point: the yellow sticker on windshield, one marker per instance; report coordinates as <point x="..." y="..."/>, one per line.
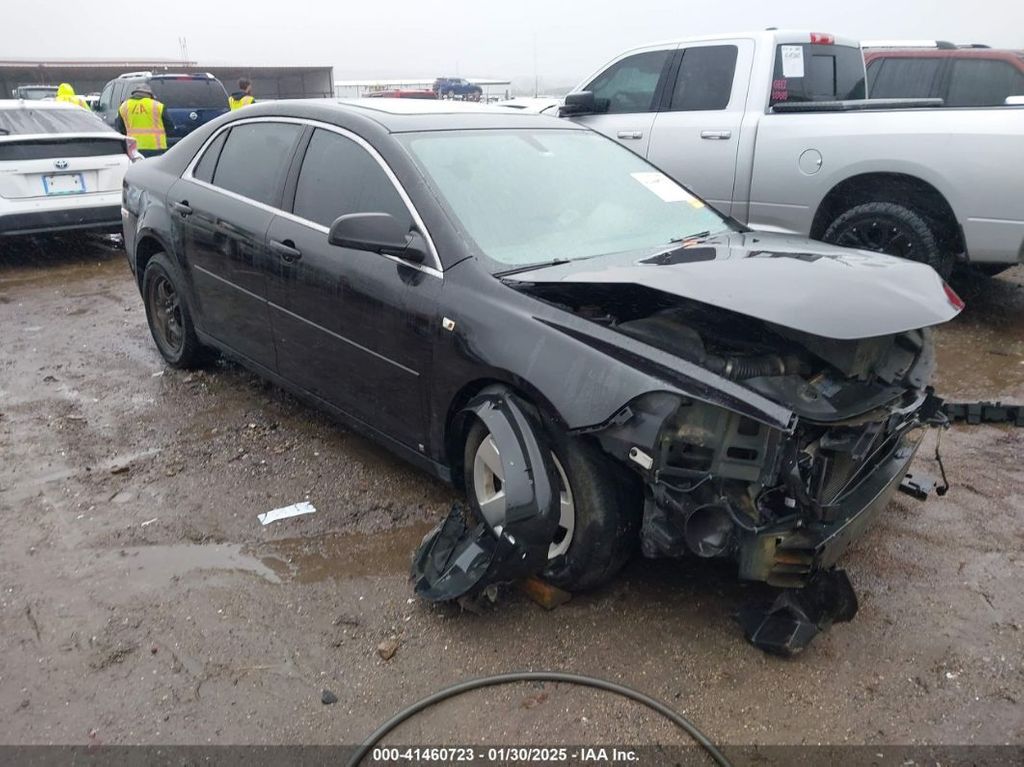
<point x="667" y="189"/>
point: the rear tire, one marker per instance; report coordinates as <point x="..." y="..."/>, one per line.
<point x="607" y="506"/>
<point x="886" y="227"/>
<point x="169" y="315"/>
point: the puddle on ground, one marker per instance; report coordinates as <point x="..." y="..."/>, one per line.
<point x="349" y="555"/>
<point x="981" y="352"/>
<point x="156" y="565"/>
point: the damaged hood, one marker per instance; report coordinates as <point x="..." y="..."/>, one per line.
<point x="785" y="280"/>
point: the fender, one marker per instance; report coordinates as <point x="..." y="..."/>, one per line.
<point x="455" y="559"/>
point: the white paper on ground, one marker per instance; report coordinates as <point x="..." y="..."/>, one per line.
<point x="792" y="60"/>
<point x="295" y="510"/>
<point x="667" y="189"/>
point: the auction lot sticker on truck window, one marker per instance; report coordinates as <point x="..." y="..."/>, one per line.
<point x="667" y="189"/>
<point x="792" y="61"/>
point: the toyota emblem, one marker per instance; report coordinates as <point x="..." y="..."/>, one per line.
<point x="60" y="164"/>
<point x="193" y="116"/>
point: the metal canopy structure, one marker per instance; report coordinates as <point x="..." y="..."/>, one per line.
<point x="90" y="75"/>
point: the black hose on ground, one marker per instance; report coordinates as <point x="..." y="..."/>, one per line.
<point x="539" y="676"/>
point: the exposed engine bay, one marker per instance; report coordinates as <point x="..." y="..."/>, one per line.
<point x="783" y="504"/>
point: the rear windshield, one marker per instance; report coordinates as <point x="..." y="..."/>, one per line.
<point x="817" y="73"/>
<point x="31" y="120"/>
<point x="190" y="94"/>
<point x="35" y="93"/>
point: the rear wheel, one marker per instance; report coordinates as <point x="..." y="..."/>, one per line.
<point x="168" y="314"/>
<point x="889" y="228"/>
<point x="599" y="516"/>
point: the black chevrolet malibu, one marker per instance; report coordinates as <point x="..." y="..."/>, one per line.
<point x="536" y="314"/>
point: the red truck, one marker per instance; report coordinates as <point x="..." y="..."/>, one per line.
<point x="962" y="76"/>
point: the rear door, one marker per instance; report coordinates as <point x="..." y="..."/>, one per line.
<point x="628" y="91"/>
<point x="696" y="137"/>
<point x="222" y="210"/>
<point x="353" y="328"/>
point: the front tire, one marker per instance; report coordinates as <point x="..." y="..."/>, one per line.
<point x="169" y="316"/>
<point x="603" y="501"/>
<point x="886" y="227"/>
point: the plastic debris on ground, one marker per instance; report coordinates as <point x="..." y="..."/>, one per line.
<point x="295" y="510"/>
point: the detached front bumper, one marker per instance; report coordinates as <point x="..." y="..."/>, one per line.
<point x="788" y="553"/>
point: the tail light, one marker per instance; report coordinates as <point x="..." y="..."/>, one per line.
<point x="131" y="148"/>
<point x="954" y="300"/>
<point x="822" y="38"/>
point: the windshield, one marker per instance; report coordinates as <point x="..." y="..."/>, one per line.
<point x="532" y="196"/>
<point x="34" y="120"/>
<point x="187" y="93"/>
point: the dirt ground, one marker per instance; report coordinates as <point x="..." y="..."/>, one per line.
<point x="141" y="601"/>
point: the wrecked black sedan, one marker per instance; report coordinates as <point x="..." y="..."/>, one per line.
<point x="536" y="314"/>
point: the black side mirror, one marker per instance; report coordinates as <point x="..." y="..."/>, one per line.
<point x="582" y="103"/>
<point x="378" y="233"/>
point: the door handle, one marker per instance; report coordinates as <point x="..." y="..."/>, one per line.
<point x="182" y="207"/>
<point x="630" y="134"/>
<point x="286" y="250"/>
<point x="716" y="135"/>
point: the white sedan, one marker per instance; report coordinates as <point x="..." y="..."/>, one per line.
<point x="61" y="168"/>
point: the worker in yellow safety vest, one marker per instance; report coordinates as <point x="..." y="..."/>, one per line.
<point x="242" y="97"/>
<point x="144" y="119"/>
<point x="67" y="94"/>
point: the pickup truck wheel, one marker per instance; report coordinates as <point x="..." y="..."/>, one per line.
<point x="168" y="314"/>
<point x="598" y="520"/>
<point x="886" y="227"/>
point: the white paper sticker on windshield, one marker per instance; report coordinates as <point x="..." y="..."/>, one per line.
<point x="667" y="189"/>
<point x="792" y="61"/>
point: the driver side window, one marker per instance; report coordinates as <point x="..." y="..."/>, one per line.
<point x="630" y="85"/>
<point x="104" y="102"/>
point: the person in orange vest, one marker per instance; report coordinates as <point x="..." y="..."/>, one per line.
<point x="66" y="94"/>
<point x="242" y="97"/>
<point x="144" y="119"/>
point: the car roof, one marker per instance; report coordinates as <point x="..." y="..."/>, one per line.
<point x="998" y="54"/>
<point x="33" y="104"/>
<point x="408" y="115"/>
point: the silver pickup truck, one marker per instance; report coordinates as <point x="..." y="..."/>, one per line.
<point x="774" y="128"/>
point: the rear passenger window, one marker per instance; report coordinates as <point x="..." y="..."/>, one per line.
<point x="254" y="160"/>
<point x="339" y="177"/>
<point x="894" y="78"/>
<point x="705" y="78"/>
<point x="204" y="168"/>
<point x="983" y="83"/>
<point x="629" y="85"/>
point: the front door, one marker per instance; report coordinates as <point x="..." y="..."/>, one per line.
<point x="224" y="232"/>
<point x="628" y="92"/>
<point x="355" y="329"/>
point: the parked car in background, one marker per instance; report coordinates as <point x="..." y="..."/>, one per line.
<point x="774" y="129"/>
<point x="190" y="100"/>
<point x="540" y="316"/>
<point x="35" y="92"/>
<point x="962" y="76"/>
<point x="456" y="88"/>
<point x="61" y="168"/>
<point x="401" y="93"/>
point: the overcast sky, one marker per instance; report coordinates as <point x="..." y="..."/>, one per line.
<point x="393" y="38"/>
